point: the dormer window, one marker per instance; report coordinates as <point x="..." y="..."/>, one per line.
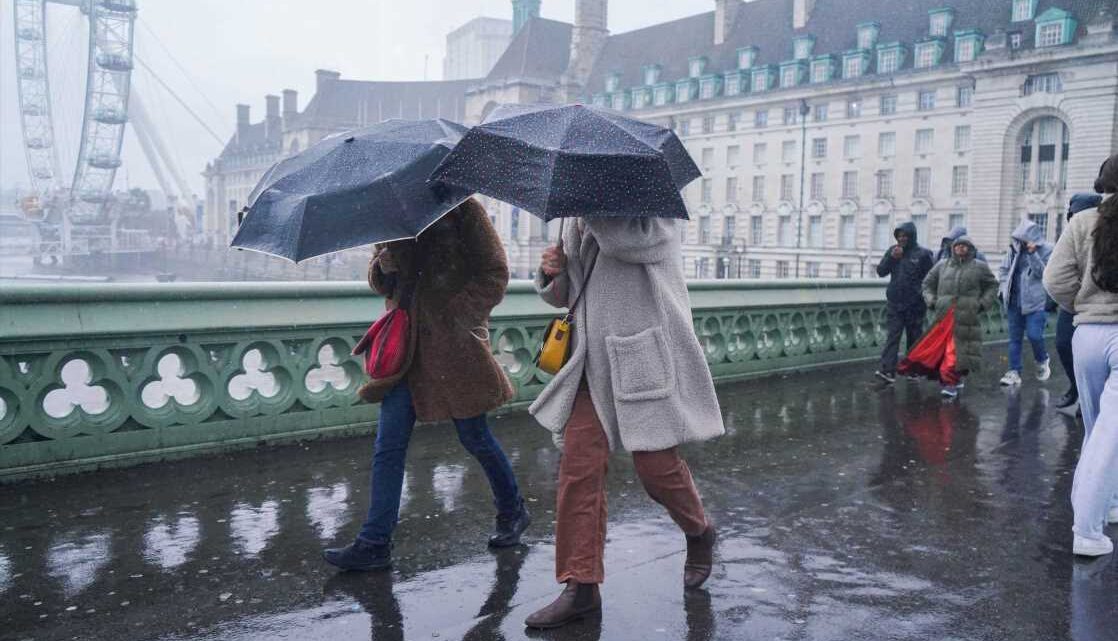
<point x="684" y="90"/>
<point x="762" y="79"/>
<point x="651" y="75"/>
<point x="890" y="57"/>
<point x="940" y="22"/>
<point x="867" y="35"/>
<point x="747" y="57"/>
<point x="708" y="87"/>
<point x="1023" y="10"/>
<point x="802" y="47"/>
<point x="822" y="68"/>
<point x="696" y="67"/>
<point x="968" y="44"/>
<point x="619" y="101"/>
<point x="640" y="98"/>
<point x="662" y="95"/>
<point x="854" y="64"/>
<point x="791" y="73"/>
<point x="928" y="54"/>
<point x="613" y="81"/>
<point x="1054" y="27"/>
<point x="732" y="84"/>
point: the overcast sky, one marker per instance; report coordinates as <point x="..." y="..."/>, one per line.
<point x="238" y="51"/>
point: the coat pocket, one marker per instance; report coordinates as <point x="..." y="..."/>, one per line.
<point x="642" y="366"/>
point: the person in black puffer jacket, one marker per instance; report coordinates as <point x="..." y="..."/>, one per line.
<point x="906" y="264"/>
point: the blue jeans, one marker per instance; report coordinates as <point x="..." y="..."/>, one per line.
<point x="1021" y="325"/>
<point x="397" y="418"/>
<point x="1095" y="486"/>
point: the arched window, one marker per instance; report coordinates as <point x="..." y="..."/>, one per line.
<point x="1044" y="144"/>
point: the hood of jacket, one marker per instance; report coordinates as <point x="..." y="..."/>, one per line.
<point x="1082" y="201"/>
<point x="964" y="240"/>
<point x="910" y="229"/>
<point x="1028" y="232"/>
<point x="954" y="235"/>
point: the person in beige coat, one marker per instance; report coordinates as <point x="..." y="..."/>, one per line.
<point x="1082" y="277"/>
<point x="637" y="380"/>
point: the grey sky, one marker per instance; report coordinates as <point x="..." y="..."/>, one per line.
<point x="239" y="50"/>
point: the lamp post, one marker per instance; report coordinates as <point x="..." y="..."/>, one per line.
<point x="805" y="109"/>
<point x="739" y="251"/>
<point x="863" y="257"/>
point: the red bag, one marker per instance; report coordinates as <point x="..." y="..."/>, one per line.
<point x="385" y="345"/>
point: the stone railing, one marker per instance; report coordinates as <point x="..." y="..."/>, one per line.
<point x="101" y="375"/>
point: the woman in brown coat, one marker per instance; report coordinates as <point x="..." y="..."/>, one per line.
<point x="455" y="273"/>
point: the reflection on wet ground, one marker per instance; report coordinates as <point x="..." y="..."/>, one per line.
<point x="846" y="511"/>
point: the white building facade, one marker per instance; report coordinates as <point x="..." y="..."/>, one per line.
<point x="473" y="48"/>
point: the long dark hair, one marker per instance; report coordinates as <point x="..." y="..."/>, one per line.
<point x="1105" y="270"/>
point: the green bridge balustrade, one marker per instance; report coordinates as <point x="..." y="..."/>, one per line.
<point x="112" y="374"/>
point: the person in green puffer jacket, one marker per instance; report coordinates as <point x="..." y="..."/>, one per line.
<point x="969" y="287"/>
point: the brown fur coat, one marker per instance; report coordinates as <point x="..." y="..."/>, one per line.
<point x="462" y="276"/>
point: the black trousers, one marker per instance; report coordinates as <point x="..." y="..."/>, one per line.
<point x="898" y="321"/>
<point x="1065" y="329"/>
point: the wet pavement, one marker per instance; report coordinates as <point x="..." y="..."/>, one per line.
<point x="846" y="511"/>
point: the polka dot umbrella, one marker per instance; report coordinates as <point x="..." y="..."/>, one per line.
<point x="572" y="160"/>
<point x="358" y="188"/>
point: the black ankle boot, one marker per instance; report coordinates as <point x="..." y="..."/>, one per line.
<point x="361" y="555"/>
<point x="510" y="527"/>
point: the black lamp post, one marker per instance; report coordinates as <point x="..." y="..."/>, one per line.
<point x="739" y="251"/>
<point x="863" y="257"/>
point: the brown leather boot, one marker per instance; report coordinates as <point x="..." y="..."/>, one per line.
<point x="700" y="558"/>
<point x="576" y="601"/>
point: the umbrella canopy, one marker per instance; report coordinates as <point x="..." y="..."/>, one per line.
<point x="366" y="186"/>
<point x="573" y="160"/>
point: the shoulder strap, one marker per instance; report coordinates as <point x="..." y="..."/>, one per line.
<point x="585" y="282"/>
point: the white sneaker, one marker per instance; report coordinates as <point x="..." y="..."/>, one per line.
<point x="1084" y="546"/>
<point x="1012" y="378"/>
<point x="1044" y="370"/>
<point x="949" y="391"/>
<point x="1112" y="515"/>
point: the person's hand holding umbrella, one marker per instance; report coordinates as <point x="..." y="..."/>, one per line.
<point x="553" y="261"/>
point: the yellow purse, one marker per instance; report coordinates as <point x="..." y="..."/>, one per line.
<point x="556" y="347"/>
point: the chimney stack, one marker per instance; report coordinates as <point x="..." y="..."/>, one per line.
<point x="801" y="13"/>
<point x="725" y="15"/>
<point x="588" y="37"/>
<point x="242" y="124"/>
<point x="273" y="126"/>
<point x="323" y="77"/>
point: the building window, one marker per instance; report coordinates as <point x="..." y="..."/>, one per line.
<point x="760" y="150"/>
<point x="888" y="60"/>
<point x="1050" y="35"/>
<point x="867" y="35"/>
<point x="966" y="49"/>
<point x="854" y="108"/>
<point x="962" y="138"/>
<point x="802" y="47"/>
<point x="819" y="148"/>
<point x="888" y="105"/>
<point x="761" y="119"/>
<point x="757" y="230"/>
<point x="733" y="155"/>
<point x="760" y="81"/>
<point x="844" y="271"/>
<point x="707" y="157"/>
<point x="514" y="223"/>
<point x="1041" y="220"/>
<point x="732" y="121"/>
<point x="887" y="144"/>
<point x="660" y="96"/>
<point x="818" y="185"/>
<point x="927" y="55"/>
<point x="640" y="99"/>
<point x="696" y="66"/>
<point x="921" y="223"/>
<point x="850" y="184"/>
<point x="703" y="268"/>
<point x="847" y="231"/>
<point x="707" y="191"/>
<point x="852" y="67"/>
<point x="811" y="269"/>
<point x="1044" y="141"/>
<point x="685" y="127"/>
<point x="1023" y="10"/>
<point x="821" y="71"/>
<point x="707" y="88"/>
<point x="956" y="219"/>
<point x="683" y="91"/>
<point x="613" y="81"/>
<point x="783" y="269"/>
<point x="787" y="187"/>
<point x="729" y="229"/>
<point x="964" y="97"/>
<point x="791" y="115"/>
<point x="746" y="57"/>
<point x="922" y="182"/>
<point x="925" y="140"/>
<point x="619" y="102"/>
<point x="704" y="230"/>
<point x="789" y="76"/>
<point x="939" y="23"/>
<point x="960" y="179"/>
<point x="708" y="124"/>
<point x="884" y="183"/>
<point x="651" y="75"/>
<point x="733" y="84"/>
<point x="926" y="100"/>
<point x="1015" y="40"/>
<point x="754" y="268"/>
<point x="732" y="189"/>
<point x="1043" y="83"/>
<point x="852" y="147"/>
<point x="758" y="189"/>
<point x="882" y="232"/>
<point x="784" y="231"/>
<point x="819" y="112"/>
<point x="788" y="151"/>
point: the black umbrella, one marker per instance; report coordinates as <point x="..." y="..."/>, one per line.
<point x="573" y="160"/>
<point x="366" y="186"/>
